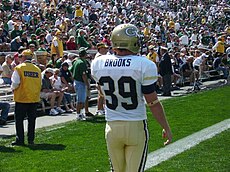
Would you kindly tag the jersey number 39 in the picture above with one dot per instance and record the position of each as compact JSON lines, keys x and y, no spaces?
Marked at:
{"x":132,"y":93}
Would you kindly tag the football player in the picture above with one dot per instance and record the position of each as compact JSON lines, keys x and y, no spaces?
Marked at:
{"x":126,"y":79}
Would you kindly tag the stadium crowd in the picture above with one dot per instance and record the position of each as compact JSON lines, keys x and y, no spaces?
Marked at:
{"x":184,"y":38}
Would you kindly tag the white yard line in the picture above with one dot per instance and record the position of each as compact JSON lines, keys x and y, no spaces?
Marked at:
{"x":173,"y":149}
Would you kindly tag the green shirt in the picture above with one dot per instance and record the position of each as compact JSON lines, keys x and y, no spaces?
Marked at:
{"x":58,"y":63}
{"x":78,"y":69}
{"x":15,"y":33}
{"x":81,"y":41}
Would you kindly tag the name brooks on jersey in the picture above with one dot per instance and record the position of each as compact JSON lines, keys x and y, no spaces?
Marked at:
{"x":117,"y":62}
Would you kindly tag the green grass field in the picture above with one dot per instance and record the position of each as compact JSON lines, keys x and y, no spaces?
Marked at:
{"x":80,"y":146}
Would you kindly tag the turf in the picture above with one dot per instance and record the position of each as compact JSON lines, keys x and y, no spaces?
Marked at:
{"x":211,"y":155}
{"x":80,"y":146}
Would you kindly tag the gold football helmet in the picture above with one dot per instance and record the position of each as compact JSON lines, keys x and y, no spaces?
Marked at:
{"x":125,"y":36}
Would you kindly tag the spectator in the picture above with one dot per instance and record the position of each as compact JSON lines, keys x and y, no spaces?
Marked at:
{"x":102,"y":49}
{"x":66,"y":76}
{"x":4,"y":45}
{"x":88,"y":93}
{"x":58,"y":86}
{"x":57,"y":45}
{"x":219,"y":46}
{"x":24,"y":40}
{"x":81,"y":41}
{"x":26,"y":83}
{"x":81,"y":84}
{"x":33,"y":40}
{"x":16,"y":61}
{"x":184,"y":40}
{"x":106,"y":40}
{"x":60,"y":61}
{"x":15,"y":44}
{"x":48,"y":93}
{"x":49,"y":36}
{"x":219,"y":66}
{"x":17,"y":5}
{"x":16,"y":32}
{"x":32,"y":49}
{"x":78,"y":12}
{"x":165,"y":70}
{"x":199,"y":64}
{"x":187,"y":70}
{"x":152,"y":55}
{"x":70,"y":44}
{"x":5,"y":107}
{"x":7,"y":69}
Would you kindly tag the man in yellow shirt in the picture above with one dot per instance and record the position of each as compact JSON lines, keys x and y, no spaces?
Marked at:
{"x":219,"y":46}
{"x":26,"y":85}
{"x":57,"y":45}
{"x":78,"y":12}
{"x":152,"y":55}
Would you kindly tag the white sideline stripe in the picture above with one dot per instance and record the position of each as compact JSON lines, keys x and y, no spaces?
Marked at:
{"x":173,"y":149}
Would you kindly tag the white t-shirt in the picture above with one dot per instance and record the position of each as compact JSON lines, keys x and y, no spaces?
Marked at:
{"x":122,"y":80}
{"x":10,"y":25}
{"x":177,"y":26}
{"x":193,"y":37}
{"x":56,"y":83}
{"x":184,"y":40}
{"x":98,"y":5}
{"x":197,"y":61}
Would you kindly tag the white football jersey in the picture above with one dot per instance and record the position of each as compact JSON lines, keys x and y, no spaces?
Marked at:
{"x":121,"y":79}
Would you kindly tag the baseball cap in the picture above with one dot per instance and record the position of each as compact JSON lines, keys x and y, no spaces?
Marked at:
{"x":58,"y":32}
{"x":33,"y":35}
{"x":82,"y":51}
{"x":31,"y":45}
{"x":27,"y":52}
{"x":65,"y":64}
{"x":151,"y":47}
{"x":204,"y":55}
{"x":102,"y":45}
{"x":49,"y":70}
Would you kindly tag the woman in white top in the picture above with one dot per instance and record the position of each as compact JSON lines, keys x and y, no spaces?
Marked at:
{"x":57,"y":85}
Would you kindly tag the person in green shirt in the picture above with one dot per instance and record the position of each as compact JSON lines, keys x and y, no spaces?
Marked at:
{"x":16,"y":32}
{"x":33,"y":40}
{"x":81,"y":41}
{"x":40,"y":29}
{"x":79,"y":71}
{"x":60,"y":61}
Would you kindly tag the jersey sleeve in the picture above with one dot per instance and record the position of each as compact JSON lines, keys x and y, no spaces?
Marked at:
{"x":93,"y":69}
{"x":150,"y":77}
{"x":149,"y":73}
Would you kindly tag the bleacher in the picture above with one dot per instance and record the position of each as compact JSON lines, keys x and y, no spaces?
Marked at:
{"x":6,"y":94}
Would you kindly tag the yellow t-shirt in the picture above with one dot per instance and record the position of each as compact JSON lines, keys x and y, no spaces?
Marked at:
{"x":220,"y":47}
{"x":60,"y":47}
{"x":146,"y":31}
{"x":171,"y":24}
{"x":79,"y":13}
{"x":152,"y":56}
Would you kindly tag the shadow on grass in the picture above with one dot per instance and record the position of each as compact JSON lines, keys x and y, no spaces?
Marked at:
{"x":4,"y":136}
{"x":45,"y":146}
{"x":96,"y":119}
{"x":5,"y":149}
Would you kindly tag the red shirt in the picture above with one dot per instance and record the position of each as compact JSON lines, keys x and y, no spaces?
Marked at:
{"x":71,"y":45}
